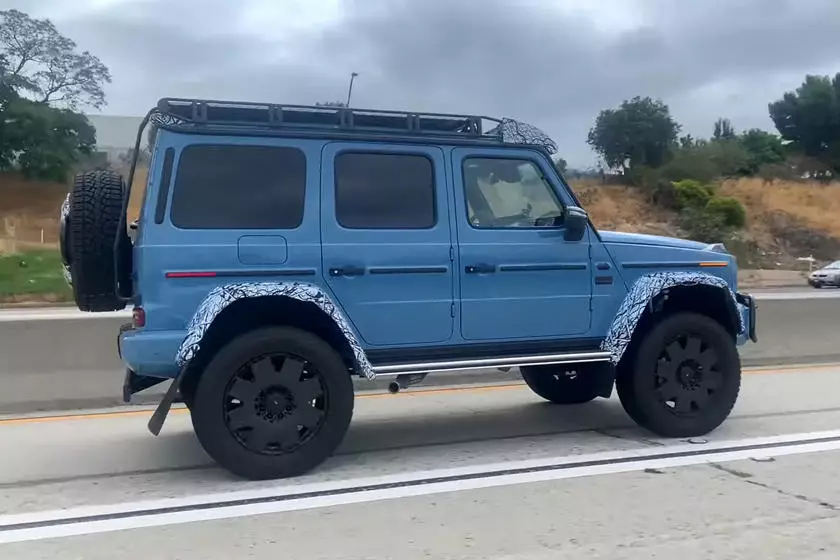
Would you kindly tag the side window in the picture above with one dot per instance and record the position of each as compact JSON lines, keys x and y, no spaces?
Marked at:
{"x":509,"y":193}
{"x":239,"y":187}
{"x":384,"y":191}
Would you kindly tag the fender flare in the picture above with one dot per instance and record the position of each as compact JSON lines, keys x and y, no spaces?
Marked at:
{"x":222,"y":296}
{"x":642,"y":293}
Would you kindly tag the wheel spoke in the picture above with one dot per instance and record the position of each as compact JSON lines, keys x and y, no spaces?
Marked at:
{"x":244,"y":391}
{"x":241,"y":417}
{"x":307,"y":390}
{"x":307,"y":415}
{"x":675,"y":352}
{"x":666,"y":369}
{"x":712,"y":379}
{"x":700,"y":398}
{"x":286,"y":432}
{"x":261,"y":436}
{"x":264,"y":373}
{"x":692,"y":347}
{"x":708,"y":358}
{"x":290,"y":372}
{"x":682,"y":404}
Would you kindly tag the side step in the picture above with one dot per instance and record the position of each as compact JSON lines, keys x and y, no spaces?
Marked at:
{"x":486,"y":363}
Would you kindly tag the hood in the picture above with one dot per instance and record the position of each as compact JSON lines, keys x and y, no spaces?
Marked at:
{"x":644,"y":239}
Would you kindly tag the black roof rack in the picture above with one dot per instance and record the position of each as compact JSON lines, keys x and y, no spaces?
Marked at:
{"x":192,"y":113}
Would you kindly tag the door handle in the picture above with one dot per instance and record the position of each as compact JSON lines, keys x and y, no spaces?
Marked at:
{"x":347,"y":271}
{"x":480,"y":268}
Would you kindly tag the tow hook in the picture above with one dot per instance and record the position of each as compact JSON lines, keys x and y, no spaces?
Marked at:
{"x":405,"y":380}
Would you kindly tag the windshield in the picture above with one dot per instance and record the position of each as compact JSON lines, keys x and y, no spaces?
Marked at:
{"x":834,"y":266}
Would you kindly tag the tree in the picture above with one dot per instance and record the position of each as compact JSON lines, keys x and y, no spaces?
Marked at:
{"x":43,"y":142}
{"x":44,"y":65}
{"x":809,"y":119}
{"x":763,"y":149}
{"x":561,"y":165}
{"x":639,"y":132}
{"x":723,"y":130}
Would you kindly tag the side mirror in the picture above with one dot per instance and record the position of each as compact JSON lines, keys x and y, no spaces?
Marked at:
{"x":575,"y":221}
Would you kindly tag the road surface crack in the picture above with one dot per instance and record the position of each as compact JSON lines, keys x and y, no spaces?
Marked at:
{"x":748,"y":478}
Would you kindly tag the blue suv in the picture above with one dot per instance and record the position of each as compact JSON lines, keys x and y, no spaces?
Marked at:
{"x":282,"y":250}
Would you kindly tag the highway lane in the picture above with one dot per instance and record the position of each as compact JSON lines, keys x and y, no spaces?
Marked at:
{"x":763,"y":505}
{"x":61,"y":358}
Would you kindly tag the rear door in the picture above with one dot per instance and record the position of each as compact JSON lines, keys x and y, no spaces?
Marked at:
{"x":386,"y":241}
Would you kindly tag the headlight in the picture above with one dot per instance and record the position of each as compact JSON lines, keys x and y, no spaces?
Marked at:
{"x":716,"y":248}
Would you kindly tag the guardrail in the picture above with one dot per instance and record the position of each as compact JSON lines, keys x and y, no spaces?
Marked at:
{"x":58,"y":359}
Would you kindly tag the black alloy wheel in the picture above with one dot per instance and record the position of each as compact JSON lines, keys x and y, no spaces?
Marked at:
{"x":275,"y":404}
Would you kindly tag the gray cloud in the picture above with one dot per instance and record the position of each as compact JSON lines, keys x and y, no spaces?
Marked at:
{"x":526,"y":59}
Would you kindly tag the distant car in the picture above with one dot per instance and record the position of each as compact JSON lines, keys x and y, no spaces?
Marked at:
{"x":826,"y":276}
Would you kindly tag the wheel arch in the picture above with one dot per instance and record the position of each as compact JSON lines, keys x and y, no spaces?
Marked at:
{"x":229,"y":311}
{"x":656,"y":296}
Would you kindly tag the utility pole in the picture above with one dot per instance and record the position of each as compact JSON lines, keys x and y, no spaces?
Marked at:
{"x":350,"y":90}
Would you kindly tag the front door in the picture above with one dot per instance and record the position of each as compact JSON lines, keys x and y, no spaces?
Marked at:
{"x":386,"y":241}
{"x":519,"y":278}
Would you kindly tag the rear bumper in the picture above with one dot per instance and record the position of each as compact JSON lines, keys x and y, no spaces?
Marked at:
{"x":149,"y":353}
{"x":747,"y":309}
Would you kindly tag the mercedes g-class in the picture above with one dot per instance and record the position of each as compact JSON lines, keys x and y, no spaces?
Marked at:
{"x":281,"y":250}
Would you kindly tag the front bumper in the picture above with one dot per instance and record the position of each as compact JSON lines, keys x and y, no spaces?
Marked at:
{"x":747,"y":309}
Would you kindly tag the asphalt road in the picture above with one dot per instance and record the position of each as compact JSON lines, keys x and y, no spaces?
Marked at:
{"x":64,"y":359}
{"x":468,"y":473}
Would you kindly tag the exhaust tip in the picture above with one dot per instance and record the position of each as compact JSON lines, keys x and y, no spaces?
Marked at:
{"x":393,"y":387}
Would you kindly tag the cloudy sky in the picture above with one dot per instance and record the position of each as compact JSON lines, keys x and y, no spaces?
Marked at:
{"x":554,"y":63}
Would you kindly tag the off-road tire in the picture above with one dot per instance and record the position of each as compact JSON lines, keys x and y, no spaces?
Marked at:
{"x":93,"y":224}
{"x":553,"y":383}
{"x":211,"y":403}
{"x":642,"y":391}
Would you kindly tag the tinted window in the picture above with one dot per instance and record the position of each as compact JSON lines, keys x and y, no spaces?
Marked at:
{"x":509,"y":193}
{"x":384,"y":191}
{"x":239,"y":187}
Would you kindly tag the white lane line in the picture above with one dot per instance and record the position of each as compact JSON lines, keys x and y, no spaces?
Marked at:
{"x":56,"y":314}
{"x":830,"y":294}
{"x":281,"y":498}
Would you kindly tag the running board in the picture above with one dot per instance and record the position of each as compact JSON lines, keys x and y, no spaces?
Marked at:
{"x":486,"y":363}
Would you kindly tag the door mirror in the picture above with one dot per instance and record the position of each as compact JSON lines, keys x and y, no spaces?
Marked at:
{"x":575,"y":221}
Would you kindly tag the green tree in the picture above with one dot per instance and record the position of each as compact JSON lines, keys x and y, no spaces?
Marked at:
{"x":809,"y":119}
{"x":723,"y":130}
{"x":763,"y":149}
{"x":561,"y":165}
{"x":43,"y":64}
{"x":38,"y":68}
{"x":640,"y":132}
{"x":44,"y":142}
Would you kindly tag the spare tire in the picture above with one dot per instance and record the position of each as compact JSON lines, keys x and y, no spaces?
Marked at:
{"x":89,"y":231}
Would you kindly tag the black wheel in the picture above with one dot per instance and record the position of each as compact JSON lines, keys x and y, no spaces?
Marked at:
{"x":88,"y":233}
{"x":273,"y":403}
{"x":685,"y":377}
{"x":561,"y":384}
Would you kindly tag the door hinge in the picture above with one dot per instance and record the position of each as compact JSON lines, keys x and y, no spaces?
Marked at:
{"x":451,"y":253}
{"x":452,"y":310}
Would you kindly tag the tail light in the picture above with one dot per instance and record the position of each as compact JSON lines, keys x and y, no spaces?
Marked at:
{"x":138,"y":317}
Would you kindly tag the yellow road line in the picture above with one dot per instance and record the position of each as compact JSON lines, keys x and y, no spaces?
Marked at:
{"x":414,"y":393}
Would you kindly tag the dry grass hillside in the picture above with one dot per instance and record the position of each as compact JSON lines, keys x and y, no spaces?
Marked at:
{"x":786,"y":220}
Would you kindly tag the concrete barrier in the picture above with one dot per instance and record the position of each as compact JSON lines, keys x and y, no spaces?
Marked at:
{"x":56,"y":359}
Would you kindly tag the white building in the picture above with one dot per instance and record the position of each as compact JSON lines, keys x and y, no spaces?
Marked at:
{"x":115,"y":135}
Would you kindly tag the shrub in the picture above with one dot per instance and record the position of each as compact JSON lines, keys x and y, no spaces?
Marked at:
{"x":692,"y":194}
{"x":730,"y":210}
{"x":702,"y":225}
{"x":690,"y":163}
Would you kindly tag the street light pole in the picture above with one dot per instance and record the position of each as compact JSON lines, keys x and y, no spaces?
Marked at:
{"x":350,"y":90}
